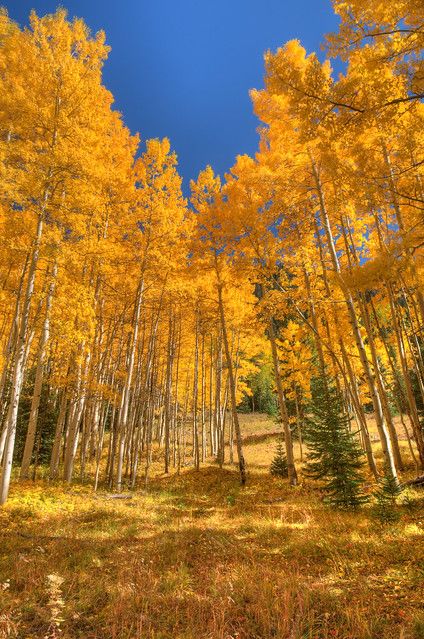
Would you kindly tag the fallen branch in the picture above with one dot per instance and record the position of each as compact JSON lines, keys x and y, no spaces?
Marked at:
{"x":418,"y":481}
{"x":115,"y":496}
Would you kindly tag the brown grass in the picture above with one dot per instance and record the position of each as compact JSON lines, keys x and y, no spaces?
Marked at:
{"x":199,"y":557}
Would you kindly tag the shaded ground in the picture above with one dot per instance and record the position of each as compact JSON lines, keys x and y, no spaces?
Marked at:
{"x":199,"y":557}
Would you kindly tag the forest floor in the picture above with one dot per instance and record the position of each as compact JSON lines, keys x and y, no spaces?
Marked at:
{"x":199,"y":557}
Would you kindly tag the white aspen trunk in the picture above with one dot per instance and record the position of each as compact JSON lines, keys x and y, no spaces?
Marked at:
{"x":72,"y":439}
{"x":112,"y":447}
{"x":14,"y":329}
{"x":415,"y":420}
{"x":231,"y":429}
{"x":148,"y":431}
{"x":299,"y":424}
{"x":353,"y":388}
{"x":195,"y":394}
{"x":167,"y":395}
{"x":87,"y":425}
{"x":123,"y":415}
{"x":221,"y":433}
{"x":75,"y":419}
{"x":283,"y":409}
{"x":365,"y":315}
{"x":381,"y":388}
{"x":18,"y":367}
{"x":203,"y":400}
{"x":138,"y":414}
{"x":397,"y":326}
{"x":399,"y":219}
{"x":239,"y":442}
{"x":3,"y":435}
{"x":376,"y":400}
{"x":100,"y":445}
{"x":311,"y":304}
{"x":150,"y":386}
{"x":211,"y":402}
{"x":176,"y":451}
{"x":218,"y":390}
{"x":184,"y":420}
{"x":35,"y":403}
{"x":55,"y":456}
{"x":22,"y":337}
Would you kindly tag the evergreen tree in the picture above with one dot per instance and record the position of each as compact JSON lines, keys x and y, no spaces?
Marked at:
{"x":279,"y":463}
{"x":388,"y":490}
{"x":47,"y":419}
{"x":417,"y":392}
{"x":334,"y":455}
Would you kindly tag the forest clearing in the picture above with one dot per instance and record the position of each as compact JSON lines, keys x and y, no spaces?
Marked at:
{"x":212,"y":391}
{"x":197,"y":555}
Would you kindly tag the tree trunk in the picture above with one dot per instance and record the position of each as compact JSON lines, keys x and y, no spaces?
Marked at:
{"x":283,"y":408}
{"x":35,"y":404}
{"x":123,"y":413}
{"x":376,"y":400}
{"x":239,"y":443}
{"x":195,"y":394}
{"x":18,"y":367}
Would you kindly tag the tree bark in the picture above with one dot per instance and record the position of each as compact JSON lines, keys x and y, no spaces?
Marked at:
{"x":35,"y":403}
{"x":19,"y":363}
{"x":239,"y":442}
{"x":292,"y":473}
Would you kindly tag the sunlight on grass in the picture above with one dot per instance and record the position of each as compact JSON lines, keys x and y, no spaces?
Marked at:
{"x":196,"y":555}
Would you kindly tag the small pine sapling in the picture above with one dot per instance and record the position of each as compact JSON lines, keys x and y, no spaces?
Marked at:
{"x":388,"y":490}
{"x":334,"y":454}
{"x":279,"y":466}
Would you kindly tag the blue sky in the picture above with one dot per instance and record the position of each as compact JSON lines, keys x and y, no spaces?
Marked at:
{"x":183,"y":68}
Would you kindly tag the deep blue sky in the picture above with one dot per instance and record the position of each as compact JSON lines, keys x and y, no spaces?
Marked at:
{"x":183,"y":68}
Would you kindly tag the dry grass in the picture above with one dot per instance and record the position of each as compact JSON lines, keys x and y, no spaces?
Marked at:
{"x":199,"y":557}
